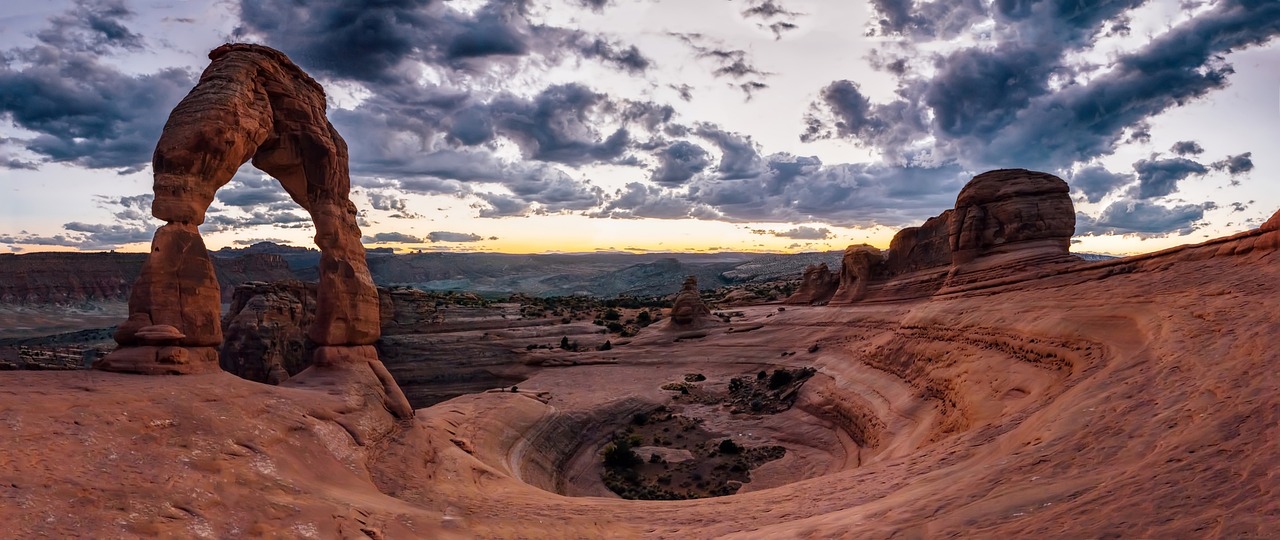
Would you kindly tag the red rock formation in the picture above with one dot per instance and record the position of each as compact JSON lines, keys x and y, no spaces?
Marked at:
{"x":1011,"y":210}
{"x":816,"y":285}
{"x":917,"y":248}
{"x":1005,"y":222}
{"x":688,"y":310}
{"x":856,"y":271}
{"x":252,"y":102}
{"x":1273,"y":223}
{"x":265,"y":330}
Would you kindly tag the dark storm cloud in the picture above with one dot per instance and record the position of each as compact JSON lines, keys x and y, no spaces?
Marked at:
{"x":1020,"y":99}
{"x":380,"y":42}
{"x":1096,"y":182}
{"x":83,"y":111}
{"x":798,"y":188}
{"x":938,"y":19}
{"x":1160,"y":177}
{"x":1185,"y":148}
{"x":557,"y":125}
{"x":446,"y":236}
{"x":95,"y":26}
{"x":1143,"y":219}
{"x":679,"y":162}
{"x":1235,"y":165}
{"x":391,"y":238}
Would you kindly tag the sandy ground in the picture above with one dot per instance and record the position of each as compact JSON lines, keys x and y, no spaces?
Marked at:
{"x":1128,"y":400}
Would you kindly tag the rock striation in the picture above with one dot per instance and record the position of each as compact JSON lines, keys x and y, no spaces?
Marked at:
{"x":251,"y":103}
{"x":816,"y":285}
{"x":688,"y":311}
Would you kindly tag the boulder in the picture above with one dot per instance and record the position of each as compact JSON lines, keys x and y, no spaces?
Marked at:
{"x":816,"y":285}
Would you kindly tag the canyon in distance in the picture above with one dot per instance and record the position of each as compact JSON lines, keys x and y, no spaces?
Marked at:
{"x":975,"y":379}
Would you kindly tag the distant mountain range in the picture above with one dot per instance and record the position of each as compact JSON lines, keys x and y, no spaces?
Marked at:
{"x":71,"y":278}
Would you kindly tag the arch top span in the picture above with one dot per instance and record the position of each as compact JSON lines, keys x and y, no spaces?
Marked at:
{"x":251,"y":104}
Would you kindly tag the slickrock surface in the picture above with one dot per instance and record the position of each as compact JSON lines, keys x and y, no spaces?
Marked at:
{"x":1129,"y":398}
{"x":817,"y":285}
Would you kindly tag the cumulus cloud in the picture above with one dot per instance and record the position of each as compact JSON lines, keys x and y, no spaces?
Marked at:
{"x":391,"y":238}
{"x":1187,"y":148}
{"x":1143,"y":219}
{"x":446,"y":236}
{"x":678,"y":162}
{"x":1160,"y":177}
{"x":800,"y":233}
{"x":1095,"y":182}
{"x":1235,"y":165}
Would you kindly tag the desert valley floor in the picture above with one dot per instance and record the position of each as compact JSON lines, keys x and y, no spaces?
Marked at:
{"x":1134,"y":398}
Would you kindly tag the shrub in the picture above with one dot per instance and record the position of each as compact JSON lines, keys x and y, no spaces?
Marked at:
{"x":606,"y":346}
{"x":612,"y":315}
{"x":727,"y":446}
{"x":619,"y":455}
{"x":615,"y":326}
{"x":644,"y":318}
{"x":780,"y":378}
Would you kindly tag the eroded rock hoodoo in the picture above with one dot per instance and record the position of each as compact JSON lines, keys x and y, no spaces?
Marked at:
{"x":688,"y":311}
{"x":251,"y":103}
{"x":816,"y":285}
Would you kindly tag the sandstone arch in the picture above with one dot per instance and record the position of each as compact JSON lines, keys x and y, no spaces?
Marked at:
{"x":251,"y":103}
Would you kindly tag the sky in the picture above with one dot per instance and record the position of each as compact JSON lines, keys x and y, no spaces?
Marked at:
{"x":661,"y":125}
